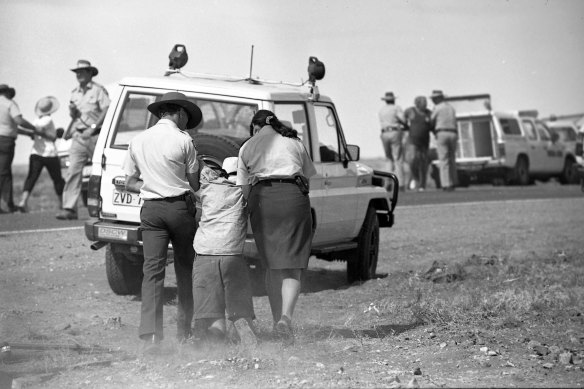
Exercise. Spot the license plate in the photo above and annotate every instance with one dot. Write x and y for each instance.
(127, 199)
(112, 233)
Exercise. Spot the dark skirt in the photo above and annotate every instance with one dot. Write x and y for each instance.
(282, 224)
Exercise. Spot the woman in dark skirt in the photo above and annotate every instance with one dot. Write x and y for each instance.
(274, 168)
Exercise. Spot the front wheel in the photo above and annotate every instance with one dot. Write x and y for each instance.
(521, 172)
(569, 174)
(363, 265)
(123, 274)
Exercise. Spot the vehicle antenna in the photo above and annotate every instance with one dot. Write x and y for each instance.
(250, 79)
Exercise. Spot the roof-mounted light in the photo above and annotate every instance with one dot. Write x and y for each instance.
(178, 58)
(315, 73)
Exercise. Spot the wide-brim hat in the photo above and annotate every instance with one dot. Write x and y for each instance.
(389, 96)
(177, 98)
(46, 106)
(83, 64)
(230, 165)
(436, 93)
(8, 91)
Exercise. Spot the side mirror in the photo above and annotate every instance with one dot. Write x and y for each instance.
(354, 152)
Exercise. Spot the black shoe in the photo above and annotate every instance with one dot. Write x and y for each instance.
(67, 214)
(151, 344)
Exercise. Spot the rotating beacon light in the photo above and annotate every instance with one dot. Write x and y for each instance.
(315, 72)
(178, 58)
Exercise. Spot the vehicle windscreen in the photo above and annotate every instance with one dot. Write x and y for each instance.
(222, 118)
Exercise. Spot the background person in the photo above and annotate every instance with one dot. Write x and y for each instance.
(444, 123)
(221, 280)
(10, 119)
(162, 165)
(418, 119)
(275, 167)
(44, 152)
(391, 120)
(87, 108)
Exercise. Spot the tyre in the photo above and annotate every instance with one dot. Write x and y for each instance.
(123, 275)
(463, 179)
(363, 265)
(521, 171)
(569, 174)
(214, 148)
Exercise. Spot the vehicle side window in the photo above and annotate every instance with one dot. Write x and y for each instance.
(543, 132)
(294, 115)
(510, 126)
(134, 118)
(529, 130)
(328, 134)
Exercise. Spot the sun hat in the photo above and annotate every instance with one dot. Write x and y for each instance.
(83, 64)
(8, 91)
(436, 93)
(177, 98)
(230, 167)
(46, 106)
(389, 96)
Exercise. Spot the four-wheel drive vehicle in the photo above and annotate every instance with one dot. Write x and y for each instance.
(506, 147)
(349, 200)
(568, 134)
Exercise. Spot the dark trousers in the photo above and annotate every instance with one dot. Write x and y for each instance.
(7, 145)
(36, 163)
(164, 221)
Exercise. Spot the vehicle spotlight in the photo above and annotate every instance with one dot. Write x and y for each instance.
(178, 57)
(315, 70)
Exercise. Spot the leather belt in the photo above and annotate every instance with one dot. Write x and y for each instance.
(281, 180)
(447, 130)
(387, 129)
(174, 198)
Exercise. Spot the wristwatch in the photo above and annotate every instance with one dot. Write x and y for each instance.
(93, 126)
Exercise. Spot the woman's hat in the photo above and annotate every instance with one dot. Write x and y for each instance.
(389, 96)
(177, 98)
(83, 64)
(8, 91)
(46, 106)
(436, 93)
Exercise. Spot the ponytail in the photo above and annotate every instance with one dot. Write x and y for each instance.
(264, 117)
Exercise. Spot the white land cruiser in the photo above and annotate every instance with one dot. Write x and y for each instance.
(506, 147)
(349, 200)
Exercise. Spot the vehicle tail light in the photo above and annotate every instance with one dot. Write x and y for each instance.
(93, 198)
(501, 150)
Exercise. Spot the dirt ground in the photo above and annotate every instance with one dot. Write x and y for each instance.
(510, 314)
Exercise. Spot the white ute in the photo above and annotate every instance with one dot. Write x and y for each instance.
(349, 200)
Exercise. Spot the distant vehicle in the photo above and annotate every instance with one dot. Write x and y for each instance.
(570, 135)
(506, 147)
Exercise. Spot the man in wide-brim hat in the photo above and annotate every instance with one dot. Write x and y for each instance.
(88, 106)
(445, 128)
(162, 165)
(392, 123)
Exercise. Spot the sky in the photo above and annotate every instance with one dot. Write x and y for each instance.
(528, 54)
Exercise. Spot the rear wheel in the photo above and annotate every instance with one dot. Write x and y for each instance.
(569, 174)
(124, 274)
(363, 265)
(521, 171)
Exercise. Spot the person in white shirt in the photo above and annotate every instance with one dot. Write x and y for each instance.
(274, 168)
(44, 152)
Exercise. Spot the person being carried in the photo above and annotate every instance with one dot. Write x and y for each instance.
(44, 152)
(221, 282)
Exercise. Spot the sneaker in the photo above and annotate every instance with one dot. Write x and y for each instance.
(247, 336)
(67, 214)
(413, 184)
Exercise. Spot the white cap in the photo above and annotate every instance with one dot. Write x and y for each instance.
(230, 165)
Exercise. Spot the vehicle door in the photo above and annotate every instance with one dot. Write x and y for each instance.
(295, 115)
(554, 150)
(340, 203)
(537, 147)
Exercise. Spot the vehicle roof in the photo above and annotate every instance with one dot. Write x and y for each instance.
(562, 123)
(259, 90)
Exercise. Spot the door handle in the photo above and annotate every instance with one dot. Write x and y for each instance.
(327, 182)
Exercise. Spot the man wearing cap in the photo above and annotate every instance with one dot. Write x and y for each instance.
(162, 165)
(444, 123)
(87, 108)
(392, 121)
(10, 119)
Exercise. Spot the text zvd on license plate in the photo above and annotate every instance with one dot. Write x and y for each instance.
(127, 199)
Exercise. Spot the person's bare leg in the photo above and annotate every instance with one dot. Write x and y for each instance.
(273, 280)
(290, 290)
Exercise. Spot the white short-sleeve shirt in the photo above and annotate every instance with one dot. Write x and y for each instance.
(270, 155)
(162, 156)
